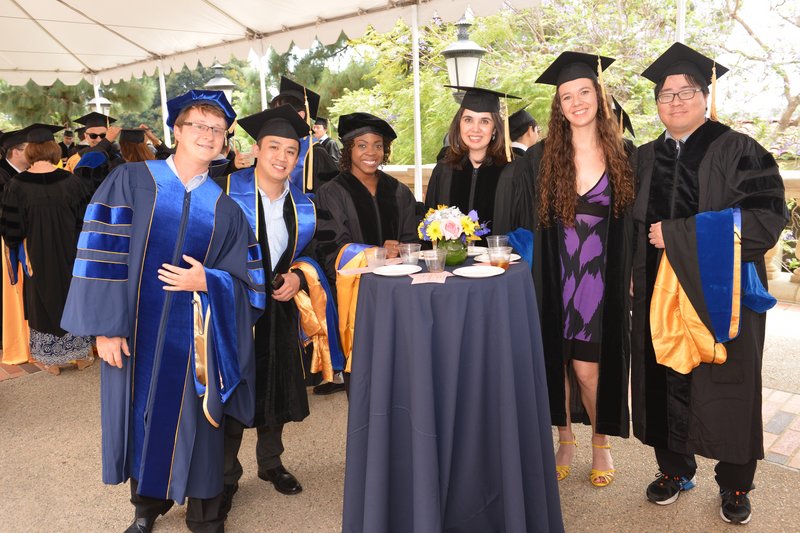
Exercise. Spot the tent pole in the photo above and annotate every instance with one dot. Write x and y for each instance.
(97, 95)
(680, 29)
(417, 120)
(162, 87)
(262, 83)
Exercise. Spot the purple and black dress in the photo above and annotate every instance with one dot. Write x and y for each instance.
(583, 259)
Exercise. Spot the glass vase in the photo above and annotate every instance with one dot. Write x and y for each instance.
(456, 251)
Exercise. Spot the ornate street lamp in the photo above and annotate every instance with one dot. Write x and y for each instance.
(463, 57)
(220, 83)
(100, 104)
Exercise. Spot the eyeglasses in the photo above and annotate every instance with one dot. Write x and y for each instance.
(685, 94)
(94, 136)
(204, 128)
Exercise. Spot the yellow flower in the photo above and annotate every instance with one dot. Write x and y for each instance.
(469, 225)
(419, 230)
(435, 230)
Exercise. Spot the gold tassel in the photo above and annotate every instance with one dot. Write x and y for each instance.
(714, 92)
(308, 167)
(506, 131)
(603, 95)
(621, 123)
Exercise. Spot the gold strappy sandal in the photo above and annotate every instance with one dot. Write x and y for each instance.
(562, 471)
(601, 478)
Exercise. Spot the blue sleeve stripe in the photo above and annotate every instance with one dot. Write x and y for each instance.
(105, 214)
(256, 275)
(257, 299)
(104, 242)
(254, 253)
(100, 270)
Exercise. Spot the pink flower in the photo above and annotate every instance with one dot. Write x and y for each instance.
(451, 229)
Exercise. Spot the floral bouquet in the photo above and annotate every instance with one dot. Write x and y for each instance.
(453, 228)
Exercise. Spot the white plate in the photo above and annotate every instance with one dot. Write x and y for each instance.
(477, 250)
(484, 258)
(396, 270)
(478, 271)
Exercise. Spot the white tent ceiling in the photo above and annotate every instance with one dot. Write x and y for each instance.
(70, 40)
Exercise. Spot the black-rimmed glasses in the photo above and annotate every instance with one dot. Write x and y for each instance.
(685, 94)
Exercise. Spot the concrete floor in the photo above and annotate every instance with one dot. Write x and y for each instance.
(50, 468)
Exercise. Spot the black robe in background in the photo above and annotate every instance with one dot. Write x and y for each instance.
(715, 410)
(517, 198)
(467, 188)
(348, 213)
(332, 147)
(47, 210)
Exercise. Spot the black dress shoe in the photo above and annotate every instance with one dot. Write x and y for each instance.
(227, 497)
(328, 388)
(145, 524)
(284, 482)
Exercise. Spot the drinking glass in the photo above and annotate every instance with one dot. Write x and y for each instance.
(500, 256)
(435, 259)
(409, 253)
(494, 241)
(375, 257)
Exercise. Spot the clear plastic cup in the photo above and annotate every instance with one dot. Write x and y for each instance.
(409, 253)
(500, 256)
(434, 259)
(495, 241)
(376, 257)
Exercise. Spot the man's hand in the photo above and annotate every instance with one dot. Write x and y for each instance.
(655, 236)
(243, 160)
(392, 249)
(184, 279)
(290, 287)
(112, 132)
(110, 349)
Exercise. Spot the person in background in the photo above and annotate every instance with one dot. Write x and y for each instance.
(523, 131)
(701, 185)
(42, 211)
(321, 136)
(99, 136)
(468, 175)
(66, 144)
(13, 161)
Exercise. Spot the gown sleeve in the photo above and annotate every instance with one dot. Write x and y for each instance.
(407, 208)
(97, 302)
(332, 226)
(514, 202)
(12, 225)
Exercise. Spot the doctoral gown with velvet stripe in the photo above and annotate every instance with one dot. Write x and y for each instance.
(105, 301)
(348, 213)
(715, 410)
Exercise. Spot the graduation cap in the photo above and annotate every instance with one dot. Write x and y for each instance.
(80, 131)
(680, 59)
(40, 133)
(95, 120)
(482, 100)
(13, 138)
(623, 119)
(281, 121)
(571, 66)
(68, 133)
(322, 121)
(295, 90)
(356, 124)
(196, 96)
(132, 135)
(519, 122)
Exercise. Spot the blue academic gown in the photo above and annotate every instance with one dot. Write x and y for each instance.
(161, 423)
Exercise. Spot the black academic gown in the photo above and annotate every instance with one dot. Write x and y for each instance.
(467, 188)
(348, 213)
(93, 177)
(517, 198)
(332, 147)
(715, 410)
(45, 210)
(280, 377)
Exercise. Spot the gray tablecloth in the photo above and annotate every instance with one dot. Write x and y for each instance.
(449, 427)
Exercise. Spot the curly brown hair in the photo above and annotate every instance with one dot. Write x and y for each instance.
(457, 153)
(557, 189)
(346, 161)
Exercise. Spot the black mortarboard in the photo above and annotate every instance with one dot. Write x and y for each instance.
(80, 131)
(356, 124)
(481, 100)
(622, 118)
(322, 121)
(95, 120)
(13, 138)
(132, 135)
(199, 96)
(295, 90)
(680, 59)
(518, 123)
(572, 66)
(40, 133)
(68, 133)
(282, 121)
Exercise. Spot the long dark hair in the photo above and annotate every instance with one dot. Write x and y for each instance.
(457, 152)
(557, 189)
